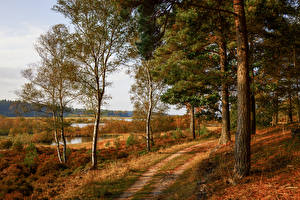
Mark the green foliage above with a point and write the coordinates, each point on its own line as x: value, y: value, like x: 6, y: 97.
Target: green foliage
x: 177, y: 134
x: 117, y: 143
x: 202, y: 131
x: 31, y: 156
x: 107, y: 144
x: 131, y: 140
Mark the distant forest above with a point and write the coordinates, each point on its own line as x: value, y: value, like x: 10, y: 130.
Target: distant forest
x: 15, y: 108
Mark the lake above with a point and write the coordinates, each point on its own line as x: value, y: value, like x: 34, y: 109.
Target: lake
x: 79, y: 140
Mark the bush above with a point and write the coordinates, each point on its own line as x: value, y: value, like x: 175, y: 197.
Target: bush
x: 50, y: 166
x: 17, y: 145
x: 4, y: 132
x: 5, y: 144
x: 203, y: 130
x: 42, y: 137
x: 31, y: 156
x: 117, y: 143
x: 177, y: 134
x: 131, y: 140
x: 107, y: 144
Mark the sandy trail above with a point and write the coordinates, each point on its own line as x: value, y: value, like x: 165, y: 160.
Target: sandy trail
x: 163, y: 184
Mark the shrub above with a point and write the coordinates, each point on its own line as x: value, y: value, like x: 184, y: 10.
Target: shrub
x: 5, y: 144
x: 30, y: 157
x: 131, y: 140
x: 17, y: 145
x: 50, y: 166
x: 107, y: 144
x: 203, y: 130
x: 117, y: 143
x: 177, y: 134
x: 42, y: 137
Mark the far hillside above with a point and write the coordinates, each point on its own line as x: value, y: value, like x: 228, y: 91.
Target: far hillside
x: 15, y: 108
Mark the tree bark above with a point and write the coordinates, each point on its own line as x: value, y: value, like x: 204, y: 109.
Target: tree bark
x: 97, y: 120
x: 62, y: 133
x: 56, y: 137
x: 149, y: 113
x: 297, y: 84
x: 276, y: 109
x: 242, y: 136
x: 225, y: 134
x: 192, y: 123
x: 252, y: 97
x: 253, y: 107
x: 290, y: 109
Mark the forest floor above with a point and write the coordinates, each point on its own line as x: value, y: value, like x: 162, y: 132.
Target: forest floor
x: 275, y: 171
x: 204, y: 171
x: 177, y: 168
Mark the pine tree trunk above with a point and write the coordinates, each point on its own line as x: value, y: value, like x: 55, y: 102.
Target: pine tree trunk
x: 290, y: 109
x: 192, y: 123
x: 275, y: 114
x: 225, y: 134
x: 242, y: 136
x: 297, y: 84
x: 252, y: 97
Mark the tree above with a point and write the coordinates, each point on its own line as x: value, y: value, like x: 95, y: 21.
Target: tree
x: 51, y: 82
x: 99, y: 46
x: 146, y: 93
x: 242, y: 137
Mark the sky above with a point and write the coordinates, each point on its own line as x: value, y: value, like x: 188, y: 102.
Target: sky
x: 22, y: 22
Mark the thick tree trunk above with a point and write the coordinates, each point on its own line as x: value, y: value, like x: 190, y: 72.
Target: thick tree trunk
x: 56, y: 137
x: 192, y: 123
x: 242, y: 136
x: 149, y: 112
x: 225, y: 134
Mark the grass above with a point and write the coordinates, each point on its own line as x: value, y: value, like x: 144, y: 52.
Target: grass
x: 110, y: 181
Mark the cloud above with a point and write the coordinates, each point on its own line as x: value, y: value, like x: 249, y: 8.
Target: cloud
x: 16, y: 45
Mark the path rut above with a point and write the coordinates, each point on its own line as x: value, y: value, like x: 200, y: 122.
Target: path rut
x: 163, y: 184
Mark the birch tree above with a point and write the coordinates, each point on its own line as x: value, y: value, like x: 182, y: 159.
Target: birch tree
x: 51, y: 81
x: 146, y: 93
x: 99, y: 47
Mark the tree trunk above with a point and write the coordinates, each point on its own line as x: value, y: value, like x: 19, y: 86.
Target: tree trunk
x: 252, y: 96
x: 297, y: 84
x: 56, y: 137
x: 62, y: 133
x: 149, y: 112
x: 225, y: 134
x: 242, y: 136
x: 253, y: 109
x: 192, y: 123
x: 276, y: 109
x: 97, y: 121
x: 290, y: 109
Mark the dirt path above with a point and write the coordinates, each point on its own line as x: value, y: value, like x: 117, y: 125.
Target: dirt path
x: 163, y: 183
